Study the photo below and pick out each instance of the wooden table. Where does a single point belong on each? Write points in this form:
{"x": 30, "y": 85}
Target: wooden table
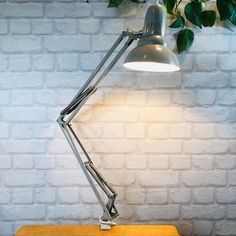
{"x": 94, "y": 230}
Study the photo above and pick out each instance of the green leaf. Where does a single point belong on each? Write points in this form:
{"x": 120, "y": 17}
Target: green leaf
{"x": 169, "y": 4}
{"x": 184, "y": 39}
{"x": 232, "y": 9}
{"x": 223, "y": 8}
{"x": 115, "y": 3}
{"x": 192, "y": 12}
{"x": 208, "y": 18}
{"x": 134, "y": 1}
{"x": 179, "y": 22}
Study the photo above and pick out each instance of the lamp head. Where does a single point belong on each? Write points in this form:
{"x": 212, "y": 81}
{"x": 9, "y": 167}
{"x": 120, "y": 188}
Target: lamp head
{"x": 151, "y": 53}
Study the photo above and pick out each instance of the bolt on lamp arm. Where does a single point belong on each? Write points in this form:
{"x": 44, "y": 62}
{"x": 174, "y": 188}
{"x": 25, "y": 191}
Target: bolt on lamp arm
{"x": 93, "y": 176}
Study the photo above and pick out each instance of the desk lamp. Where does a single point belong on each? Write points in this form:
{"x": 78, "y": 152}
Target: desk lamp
{"x": 151, "y": 54}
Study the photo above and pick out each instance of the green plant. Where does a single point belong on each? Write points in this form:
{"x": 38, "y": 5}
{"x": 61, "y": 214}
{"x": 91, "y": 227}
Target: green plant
{"x": 196, "y": 13}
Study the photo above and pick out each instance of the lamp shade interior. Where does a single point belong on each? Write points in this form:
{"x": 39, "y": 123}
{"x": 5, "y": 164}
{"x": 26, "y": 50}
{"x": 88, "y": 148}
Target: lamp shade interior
{"x": 152, "y": 58}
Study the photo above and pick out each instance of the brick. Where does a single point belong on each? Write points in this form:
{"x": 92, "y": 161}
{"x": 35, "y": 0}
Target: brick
{"x": 21, "y": 9}
{"x": 21, "y": 80}
{"x": 227, "y": 62}
{"x": 93, "y": 130}
{"x": 21, "y": 26}
{"x": 137, "y": 98}
{"x": 3, "y": 27}
{"x": 20, "y": 44}
{"x": 22, "y": 97}
{"x": 165, "y": 212}
{"x": 46, "y": 96}
{"x": 20, "y": 146}
{"x": 226, "y": 195}
{"x": 157, "y": 196}
{"x": 154, "y": 114}
{"x": 65, "y": 178}
{"x": 158, "y": 131}
{"x": 114, "y": 98}
{"x": 136, "y": 161}
{"x": 206, "y": 62}
{"x": 227, "y": 97}
{"x": 135, "y": 196}
{"x": 23, "y": 161}
{"x": 88, "y": 196}
{"x": 114, "y": 161}
{"x": 203, "y": 131}
{"x": 45, "y": 195}
{"x": 204, "y": 178}
{"x": 180, "y": 195}
{"x": 113, "y": 27}
{"x": 43, "y": 62}
{"x": 42, "y": 27}
{"x": 203, "y": 162}
{"x": 58, "y": 146}
{"x": 60, "y": 43}
{"x": 5, "y": 131}
{"x": 69, "y": 195}
{"x": 158, "y": 162}
{"x": 231, "y": 212}
{"x": 206, "y": 80}
{"x": 44, "y": 162}
{"x": 225, "y": 227}
{"x": 232, "y": 146}
{"x": 102, "y": 43}
{"x": 65, "y": 26}
{"x": 24, "y": 179}
{"x": 116, "y": 114}
{"x": 203, "y": 212}
{"x": 65, "y": 79}
{"x": 159, "y": 98}
{"x": 136, "y": 130}
{"x": 232, "y": 177}
{"x": 225, "y": 162}
{"x": 67, "y": 62}
{"x": 3, "y": 62}
{"x": 69, "y": 212}
{"x": 202, "y": 114}
{"x": 186, "y": 62}
{"x": 89, "y": 26}
{"x": 21, "y": 131}
{"x": 5, "y": 196}
{"x": 33, "y": 212}
{"x": 89, "y": 62}
{"x": 58, "y": 9}
{"x": 22, "y": 196}
{"x": 36, "y": 114}
{"x": 120, "y": 177}
{"x": 184, "y": 97}
{"x": 182, "y": 130}
{"x": 203, "y": 227}
{"x": 233, "y": 80}
{"x": 100, "y": 10}
{"x": 6, "y": 228}
{"x": 166, "y": 80}
{"x": 219, "y": 43}
{"x": 205, "y": 97}
{"x": 226, "y": 131}
{"x": 114, "y": 146}
{"x": 180, "y": 162}
{"x": 5, "y": 162}
{"x": 158, "y": 178}
{"x": 160, "y": 146}
{"x": 203, "y": 195}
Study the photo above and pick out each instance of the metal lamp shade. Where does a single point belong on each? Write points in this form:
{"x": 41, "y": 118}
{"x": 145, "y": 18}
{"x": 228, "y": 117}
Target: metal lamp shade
{"x": 151, "y": 54}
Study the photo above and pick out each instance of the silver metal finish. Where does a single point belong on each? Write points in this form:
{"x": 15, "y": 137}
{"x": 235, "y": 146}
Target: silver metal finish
{"x": 151, "y": 53}
{"x": 93, "y": 176}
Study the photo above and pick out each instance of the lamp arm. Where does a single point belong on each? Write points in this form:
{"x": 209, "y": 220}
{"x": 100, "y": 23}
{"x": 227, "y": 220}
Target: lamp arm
{"x": 93, "y": 176}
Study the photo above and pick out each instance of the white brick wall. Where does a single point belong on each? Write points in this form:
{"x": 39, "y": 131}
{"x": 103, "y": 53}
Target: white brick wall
{"x": 167, "y": 142}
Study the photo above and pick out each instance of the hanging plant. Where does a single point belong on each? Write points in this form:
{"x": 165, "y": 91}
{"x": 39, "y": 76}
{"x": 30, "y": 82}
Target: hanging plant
{"x": 196, "y": 13}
